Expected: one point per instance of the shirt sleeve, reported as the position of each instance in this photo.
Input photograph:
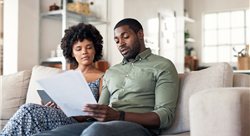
(166, 94)
(104, 97)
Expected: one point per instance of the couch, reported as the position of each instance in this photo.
(212, 102)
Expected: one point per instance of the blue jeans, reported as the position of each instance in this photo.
(111, 128)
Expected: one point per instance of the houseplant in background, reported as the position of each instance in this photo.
(243, 59)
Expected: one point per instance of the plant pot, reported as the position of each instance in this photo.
(243, 63)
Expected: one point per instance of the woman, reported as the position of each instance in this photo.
(81, 45)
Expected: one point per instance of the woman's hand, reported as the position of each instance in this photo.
(51, 104)
(101, 112)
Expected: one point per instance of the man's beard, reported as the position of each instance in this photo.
(133, 52)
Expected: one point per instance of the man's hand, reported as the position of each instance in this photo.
(101, 112)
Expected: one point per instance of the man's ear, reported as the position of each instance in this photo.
(140, 34)
(72, 54)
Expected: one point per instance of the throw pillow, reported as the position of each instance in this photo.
(13, 92)
(38, 72)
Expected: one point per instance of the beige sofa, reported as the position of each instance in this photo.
(212, 102)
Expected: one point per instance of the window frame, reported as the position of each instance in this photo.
(217, 31)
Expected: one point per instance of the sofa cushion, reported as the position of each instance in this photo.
(38, 72)
(241, 80)
(13, 92)
(220, 75)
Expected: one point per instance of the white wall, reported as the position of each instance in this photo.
(20, 35)
(28, 27)
(50, 31)
(1, 18)
(116, 13)
(196, 8)
(144, 10)
(10, 43)
(99, 10)
(22, 27)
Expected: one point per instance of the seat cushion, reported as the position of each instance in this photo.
(13, 92)
(220, 75)
(38, 72)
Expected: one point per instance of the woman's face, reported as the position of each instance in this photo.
(84, 52)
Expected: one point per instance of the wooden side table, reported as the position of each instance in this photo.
(102, 65)
(191, 62)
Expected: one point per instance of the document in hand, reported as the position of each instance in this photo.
(70, 91)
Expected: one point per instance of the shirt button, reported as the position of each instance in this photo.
(132, 63)
(122, 89)
(127, 75)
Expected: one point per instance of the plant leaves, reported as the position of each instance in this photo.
(234, 49)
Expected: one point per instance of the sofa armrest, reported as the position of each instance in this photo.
(220, 112)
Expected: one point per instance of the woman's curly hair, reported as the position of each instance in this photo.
(78, 33)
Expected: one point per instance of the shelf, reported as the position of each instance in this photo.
(72, 17)
(56, 59)
(190, 40)
(66, 16)
(189, 20)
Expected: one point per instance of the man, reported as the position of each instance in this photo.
(139, 95)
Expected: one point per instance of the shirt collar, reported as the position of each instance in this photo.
(142, 55)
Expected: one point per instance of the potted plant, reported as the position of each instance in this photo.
(243, 59)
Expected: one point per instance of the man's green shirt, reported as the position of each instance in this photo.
(149, 84)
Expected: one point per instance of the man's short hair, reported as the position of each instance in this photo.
(132, 23)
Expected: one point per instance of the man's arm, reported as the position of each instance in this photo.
(104, 113)
(166, 93)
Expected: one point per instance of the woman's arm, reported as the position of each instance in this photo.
(100, 87)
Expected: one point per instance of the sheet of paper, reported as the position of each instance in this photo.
(69, 90)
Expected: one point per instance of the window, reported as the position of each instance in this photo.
(221, 32)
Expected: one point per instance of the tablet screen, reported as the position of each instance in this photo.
(45, 97)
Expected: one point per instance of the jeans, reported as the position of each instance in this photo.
(111, 128)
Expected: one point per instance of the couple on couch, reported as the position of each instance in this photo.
(138, 96)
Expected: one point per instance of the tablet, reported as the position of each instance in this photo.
(45, 97)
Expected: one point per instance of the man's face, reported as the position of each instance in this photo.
(127, 42)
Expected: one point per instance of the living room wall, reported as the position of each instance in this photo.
(144, 10)
(148, 10)
(21, 27)
(20, 35)
(22, 49)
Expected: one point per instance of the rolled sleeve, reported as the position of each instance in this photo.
(166, 95)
